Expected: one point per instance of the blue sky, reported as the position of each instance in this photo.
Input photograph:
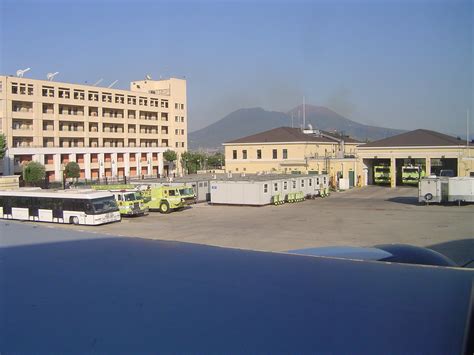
(397, 63)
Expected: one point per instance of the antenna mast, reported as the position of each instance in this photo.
(304, 113)
(467, 133)
(292, 120)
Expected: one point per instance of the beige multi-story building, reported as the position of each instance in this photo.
(108, 132)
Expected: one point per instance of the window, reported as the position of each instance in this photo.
(310, 182)
(259, 154)
(182, 106)
(294, 184)
(14, 88)
(93, 96)
(317, 181)
(275, 186)
(234, 154)
(48, 91)
(119, 99)
(275, 154)
(131, 100)
(182, 119)
(265, 188)
(285, 154)
(78, 95)
(324, 180)
(164, 103)
(244, 154)
(302, 182)
(285, 185)
(182, 132)
(106, 97)
(64, 93)
(142, 101)
(176, 106)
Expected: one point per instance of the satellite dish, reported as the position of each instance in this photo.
(148, 77)
(115, 82)
(51, 76)
(21, 72)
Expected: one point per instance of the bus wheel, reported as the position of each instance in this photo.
(164, 207)
(74, 220)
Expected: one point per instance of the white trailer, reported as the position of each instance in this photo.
(461, 189)
(260, 190)
(433, 190)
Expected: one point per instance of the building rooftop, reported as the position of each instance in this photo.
(416, 138)
(288, 134)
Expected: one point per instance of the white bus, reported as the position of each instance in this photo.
(71, 206)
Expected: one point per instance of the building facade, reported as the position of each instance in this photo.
(293, 151)
(108, 132)
(290, 150)
(431, 151)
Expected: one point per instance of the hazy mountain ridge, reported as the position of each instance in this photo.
(244, 122)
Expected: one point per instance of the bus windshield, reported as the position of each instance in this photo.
(103, 205)
(382, 170)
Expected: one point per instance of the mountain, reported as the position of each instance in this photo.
(240, 123)
(244, 122)
(327, 120)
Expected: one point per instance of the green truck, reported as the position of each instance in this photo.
(164, 198)
(129, 200)
(411, 175)
(382, 174)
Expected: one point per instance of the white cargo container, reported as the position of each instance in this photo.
(433, 190)
(461, 189)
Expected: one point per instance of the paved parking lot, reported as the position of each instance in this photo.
(360, 217)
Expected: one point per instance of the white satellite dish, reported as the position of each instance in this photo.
(50, 76)
(148, 77)
(115, 82)
(21, 72)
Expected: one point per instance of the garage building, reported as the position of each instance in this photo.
(431, 151)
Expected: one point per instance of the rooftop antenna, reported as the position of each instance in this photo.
(115, 82)
(50, 76)
(21, 72)
(98, 82)
(467, 133)
(148, 77)
(304, 113)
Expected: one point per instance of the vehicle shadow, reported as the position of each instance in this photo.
(406, 200)
(460, 251)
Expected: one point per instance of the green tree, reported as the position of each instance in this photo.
(170, 156)
(215, 160)
(3, 145)
(33, 173)
(72, 170)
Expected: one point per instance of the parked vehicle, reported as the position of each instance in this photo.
(163, 198)
(129, 200)
(71, 206)
(382, 174)
(187, 193)
(433, 190)
(447, 173)
(411, 175)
